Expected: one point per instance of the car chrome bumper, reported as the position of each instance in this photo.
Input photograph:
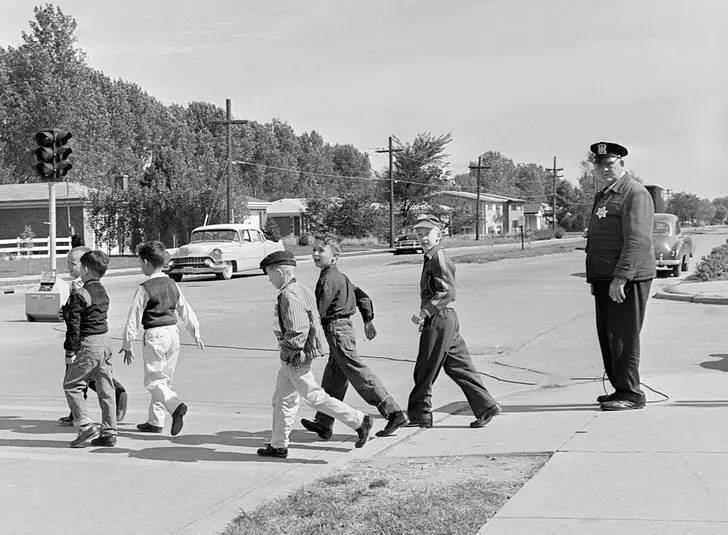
(668, 263)
(187, 270)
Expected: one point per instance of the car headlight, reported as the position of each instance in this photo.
(209, 262)
(216, 254)
(170, 264)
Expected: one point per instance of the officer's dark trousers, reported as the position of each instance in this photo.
(442, 347)
(344, 367)
(618, 330)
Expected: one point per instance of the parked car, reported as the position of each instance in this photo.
(673, 249)
(406, 242)
(221, 250)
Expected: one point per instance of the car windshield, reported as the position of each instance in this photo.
(661, 228)
(214, 235)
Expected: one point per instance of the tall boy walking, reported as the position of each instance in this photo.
(337, 300)
(297, 327)
(88, 354)
(157, 304)
(441, 346)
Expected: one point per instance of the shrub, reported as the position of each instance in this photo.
(559, 232)
(305, 240)
(543, 234)
(713, 266)
(271, 230)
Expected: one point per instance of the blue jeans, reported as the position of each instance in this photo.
(93, 362)
(345, 366)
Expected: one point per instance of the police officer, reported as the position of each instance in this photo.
(620, 266)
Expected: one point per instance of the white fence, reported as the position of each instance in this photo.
(40, 247)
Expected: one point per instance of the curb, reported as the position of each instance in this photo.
(692, 298)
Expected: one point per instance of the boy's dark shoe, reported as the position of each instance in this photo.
(108, 441)
(363, 431)
(66, 421)
(270, 451)
(121, 402)
(86, 433)
(425, 424)
(485, 418)
(149, 428)
(177, 419)
(315, 427)
(622, 405)
(394, 422)
(606, 397)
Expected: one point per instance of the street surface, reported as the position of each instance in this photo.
(527, 322)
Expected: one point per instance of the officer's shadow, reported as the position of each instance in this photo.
(720, 365)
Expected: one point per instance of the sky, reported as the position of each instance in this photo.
(532, 79)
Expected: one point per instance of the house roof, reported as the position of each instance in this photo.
(258, 204)
(532, 208)
(484, 197)
(39, 191)
(283, 207)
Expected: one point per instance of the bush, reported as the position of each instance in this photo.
(271, 230)
(543, 234)
(559, 232)
(713, 266)
(305, 240)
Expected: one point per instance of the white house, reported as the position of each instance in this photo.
(289, 215)
(498, 214)
(258, 212)
(535, 215)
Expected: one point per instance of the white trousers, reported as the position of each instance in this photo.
(291, 385)
(160, 352)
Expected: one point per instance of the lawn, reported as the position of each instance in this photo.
(405, 496)
(24, 266)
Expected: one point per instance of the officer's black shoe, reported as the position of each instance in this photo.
(394, 422)
(364, 430)
(606, 397)
(315, 427)
(622, 405)
(270, 451)
(485, 418)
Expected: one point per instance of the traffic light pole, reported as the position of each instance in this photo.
(52, 224)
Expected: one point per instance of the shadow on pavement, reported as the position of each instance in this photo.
(559, 407)
(193, 455)
(721, 365)
(17, 424)
(702, 403)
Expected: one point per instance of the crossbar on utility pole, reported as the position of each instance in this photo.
(553, 203)
(477, 196)
(229, 163)
(391, 150)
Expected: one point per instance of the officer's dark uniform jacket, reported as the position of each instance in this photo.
(619, 243)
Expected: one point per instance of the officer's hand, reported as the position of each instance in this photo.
(70, 358)
(417, 319)
(369, 331)
(616, 290)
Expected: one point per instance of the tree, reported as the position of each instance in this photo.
(419, 170)
(684, 205)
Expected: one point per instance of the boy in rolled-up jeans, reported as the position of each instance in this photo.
(88, 354)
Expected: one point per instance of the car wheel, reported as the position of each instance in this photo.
(227, 274)
(676, 271)
(396, 252)
(685, 263)
(176, 277)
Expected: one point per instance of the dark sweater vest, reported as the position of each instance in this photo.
(161, 307)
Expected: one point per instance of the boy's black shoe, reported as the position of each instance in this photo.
(270, 451)
(363, 431)
(485, 418)
(108, 441)
(66, 421)
(425, 424)
(121, 401)
(394, 422)
(149, 428)
(315, 427)
(177, 419)
(86, 433)
(606, 397)
(622, 405)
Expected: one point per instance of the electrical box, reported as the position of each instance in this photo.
(45, 304)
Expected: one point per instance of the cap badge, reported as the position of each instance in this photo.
(602, 212)
(602, 148)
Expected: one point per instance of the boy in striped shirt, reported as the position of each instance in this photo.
(297, 327)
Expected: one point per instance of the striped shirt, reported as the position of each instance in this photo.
(297, 325)
(437, 283)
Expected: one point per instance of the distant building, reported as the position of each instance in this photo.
(498, 214)
(27, 204)
(258, 212)
(656, 194)
(289, 215)
(535, 216)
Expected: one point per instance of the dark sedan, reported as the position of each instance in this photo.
(406, 242)
(673, 249)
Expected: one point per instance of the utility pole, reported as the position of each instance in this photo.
(391, 150)
(229, 164)
(556, 175)
(477, 196)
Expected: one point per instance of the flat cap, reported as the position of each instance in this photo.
(278, 258)
(607, 149)
(427, 221)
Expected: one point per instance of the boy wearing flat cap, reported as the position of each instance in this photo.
(297, 327)
(620, 266)
(441, 345)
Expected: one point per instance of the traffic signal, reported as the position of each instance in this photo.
(52, 154)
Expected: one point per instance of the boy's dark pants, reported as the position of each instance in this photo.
(344, 367)
(442, 347)
(618, 330)
(118, 389)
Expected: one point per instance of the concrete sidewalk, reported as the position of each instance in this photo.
(707, 293)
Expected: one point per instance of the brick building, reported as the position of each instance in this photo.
(27, 204)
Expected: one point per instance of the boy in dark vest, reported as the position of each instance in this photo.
(157, 304)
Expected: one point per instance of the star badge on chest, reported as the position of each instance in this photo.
(602, 212)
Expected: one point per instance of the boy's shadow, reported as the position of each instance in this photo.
(16, 424)
(193, 455)
(720, 365)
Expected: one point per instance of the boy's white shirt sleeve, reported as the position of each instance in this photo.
(134, 320)
(188, 317)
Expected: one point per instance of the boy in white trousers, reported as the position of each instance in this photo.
(157, 304)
